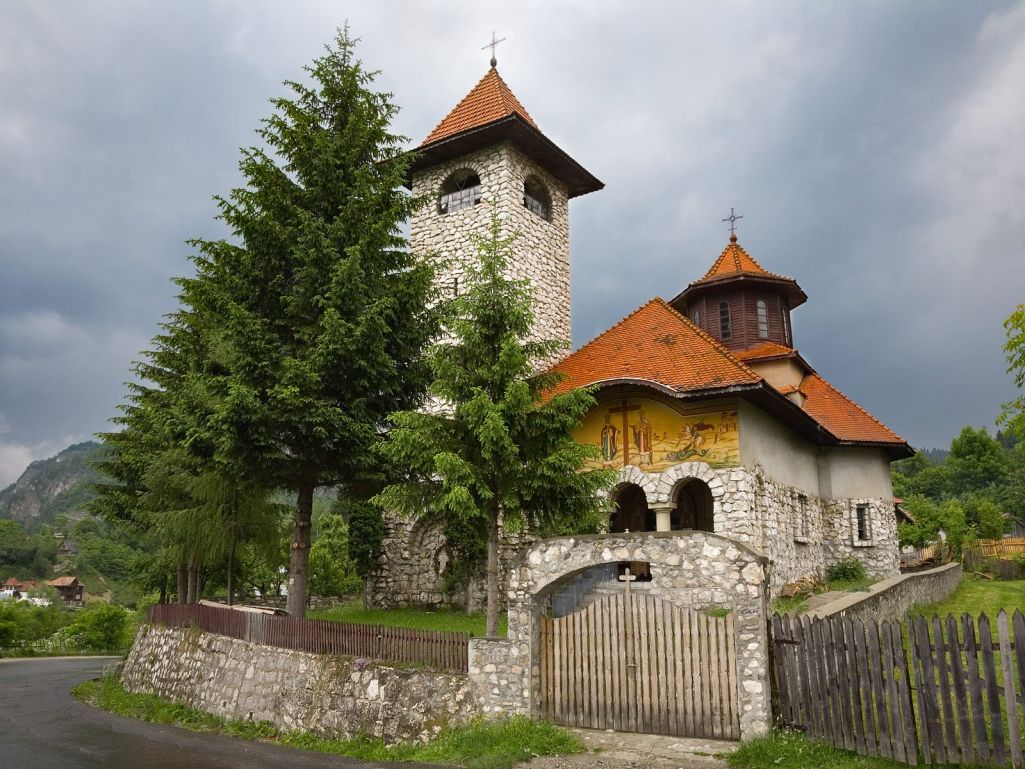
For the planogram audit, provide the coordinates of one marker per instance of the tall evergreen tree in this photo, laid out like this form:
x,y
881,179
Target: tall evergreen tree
x,y
501,452
319,308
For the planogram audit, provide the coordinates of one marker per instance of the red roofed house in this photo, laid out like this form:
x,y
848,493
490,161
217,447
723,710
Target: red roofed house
x,y
707,412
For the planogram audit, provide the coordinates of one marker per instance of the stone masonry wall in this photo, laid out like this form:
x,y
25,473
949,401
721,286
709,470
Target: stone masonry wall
x,y
337,697
413,569
892,598
541,251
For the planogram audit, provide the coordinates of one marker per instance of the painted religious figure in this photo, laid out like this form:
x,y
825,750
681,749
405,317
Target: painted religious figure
x,y
655,436
642,439
609,441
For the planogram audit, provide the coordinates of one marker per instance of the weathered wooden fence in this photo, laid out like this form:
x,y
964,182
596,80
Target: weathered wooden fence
x,y
641,664
437,649
1000,557
897,690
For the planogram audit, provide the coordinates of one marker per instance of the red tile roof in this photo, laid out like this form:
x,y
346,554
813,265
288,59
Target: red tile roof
x,y
488,101
841,416
734,260
655,343
764,350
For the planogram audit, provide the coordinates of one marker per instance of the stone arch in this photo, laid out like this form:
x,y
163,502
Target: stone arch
x,y
634,475
668,481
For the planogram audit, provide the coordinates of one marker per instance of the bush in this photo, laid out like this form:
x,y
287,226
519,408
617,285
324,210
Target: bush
x,y
848,570
101,627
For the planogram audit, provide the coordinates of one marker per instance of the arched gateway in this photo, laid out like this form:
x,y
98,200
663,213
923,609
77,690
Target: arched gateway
x,y
685,653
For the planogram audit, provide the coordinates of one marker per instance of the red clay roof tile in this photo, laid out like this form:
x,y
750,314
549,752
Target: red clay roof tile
x,y
655,343
488,101
764,350
734,260
841,416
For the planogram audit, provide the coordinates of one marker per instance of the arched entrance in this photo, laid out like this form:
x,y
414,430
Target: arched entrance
x,y
694,507
631,513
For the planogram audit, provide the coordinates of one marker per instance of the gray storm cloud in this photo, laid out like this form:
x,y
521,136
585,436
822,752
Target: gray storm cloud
x,y
873,148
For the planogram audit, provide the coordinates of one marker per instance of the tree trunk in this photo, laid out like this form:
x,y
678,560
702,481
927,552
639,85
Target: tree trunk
x,y
494,531
299,562
183,582
193,583
231,567
163,591
366,592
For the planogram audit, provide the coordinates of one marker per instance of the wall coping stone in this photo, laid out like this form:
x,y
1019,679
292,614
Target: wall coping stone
x,y
858,600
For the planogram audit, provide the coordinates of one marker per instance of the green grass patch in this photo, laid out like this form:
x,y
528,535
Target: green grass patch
x,y
790,750
975,595
107,694
795,604
419,619
480,745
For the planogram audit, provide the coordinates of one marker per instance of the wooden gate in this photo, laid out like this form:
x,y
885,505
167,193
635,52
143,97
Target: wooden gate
x,y
638,663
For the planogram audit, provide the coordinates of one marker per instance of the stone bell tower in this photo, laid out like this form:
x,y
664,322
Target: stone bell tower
x,y
489,151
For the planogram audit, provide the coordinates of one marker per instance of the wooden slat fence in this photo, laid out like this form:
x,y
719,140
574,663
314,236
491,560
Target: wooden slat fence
x,y
931,692
642,664
437,649
1008,547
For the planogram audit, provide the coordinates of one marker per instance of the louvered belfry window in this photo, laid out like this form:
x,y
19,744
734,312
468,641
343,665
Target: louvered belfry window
x,y
724,320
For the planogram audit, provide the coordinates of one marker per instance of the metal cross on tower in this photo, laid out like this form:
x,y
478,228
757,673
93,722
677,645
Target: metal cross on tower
x,y
732,219
493,45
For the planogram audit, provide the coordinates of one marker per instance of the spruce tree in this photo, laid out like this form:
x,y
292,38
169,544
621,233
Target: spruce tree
x,y
318,307
501,452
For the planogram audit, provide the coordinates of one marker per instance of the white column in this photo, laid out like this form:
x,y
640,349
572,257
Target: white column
x,y
663,520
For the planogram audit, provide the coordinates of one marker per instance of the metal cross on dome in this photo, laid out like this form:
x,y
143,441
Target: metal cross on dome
x,y
732,219
493,45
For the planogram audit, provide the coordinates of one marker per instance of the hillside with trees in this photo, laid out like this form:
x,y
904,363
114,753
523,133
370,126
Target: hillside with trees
x,y
53,487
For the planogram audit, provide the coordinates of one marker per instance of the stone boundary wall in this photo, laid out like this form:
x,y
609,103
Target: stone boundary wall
x,y
333,696
892,598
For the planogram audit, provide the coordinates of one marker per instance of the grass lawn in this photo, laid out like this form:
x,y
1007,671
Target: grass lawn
x,y
421,619
789,750
481,745
976,595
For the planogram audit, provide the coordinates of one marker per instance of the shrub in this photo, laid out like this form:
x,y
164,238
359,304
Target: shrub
x,y
850,569
101,627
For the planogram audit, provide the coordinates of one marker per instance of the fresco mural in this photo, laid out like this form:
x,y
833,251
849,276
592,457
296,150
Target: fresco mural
x,y
654,437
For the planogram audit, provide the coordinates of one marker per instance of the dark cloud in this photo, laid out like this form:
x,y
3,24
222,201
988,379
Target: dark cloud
x,y
873,148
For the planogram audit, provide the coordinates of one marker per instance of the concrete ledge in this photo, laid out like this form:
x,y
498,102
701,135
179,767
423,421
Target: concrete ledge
x,y
891,598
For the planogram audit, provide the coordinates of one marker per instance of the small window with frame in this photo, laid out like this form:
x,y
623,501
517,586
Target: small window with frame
x,y
864,523
724,320
536,198
802,527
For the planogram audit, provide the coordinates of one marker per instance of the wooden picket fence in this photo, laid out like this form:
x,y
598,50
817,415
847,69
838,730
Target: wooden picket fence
x,y
1008,547
898,691
437,649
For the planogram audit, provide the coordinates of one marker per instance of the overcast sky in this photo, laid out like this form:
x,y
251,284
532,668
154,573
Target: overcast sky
x,y
875,149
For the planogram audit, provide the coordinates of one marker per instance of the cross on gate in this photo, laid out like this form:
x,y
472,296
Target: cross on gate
x,y
732,219
627,577
625,410
493,45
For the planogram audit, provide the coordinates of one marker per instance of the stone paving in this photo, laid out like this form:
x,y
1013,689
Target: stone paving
x,y
624,750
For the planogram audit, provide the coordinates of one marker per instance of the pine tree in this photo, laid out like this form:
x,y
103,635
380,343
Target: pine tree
x,y
319,309
501,453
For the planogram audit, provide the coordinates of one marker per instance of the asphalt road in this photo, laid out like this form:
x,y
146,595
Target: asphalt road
x,y
43,727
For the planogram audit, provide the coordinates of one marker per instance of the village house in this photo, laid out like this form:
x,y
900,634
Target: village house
x,y
71,591
707,412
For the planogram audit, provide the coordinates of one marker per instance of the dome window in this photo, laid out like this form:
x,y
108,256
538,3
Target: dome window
x,y
460,190
536,198
763,320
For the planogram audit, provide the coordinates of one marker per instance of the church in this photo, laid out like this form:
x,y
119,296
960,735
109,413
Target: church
x,y
706,411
